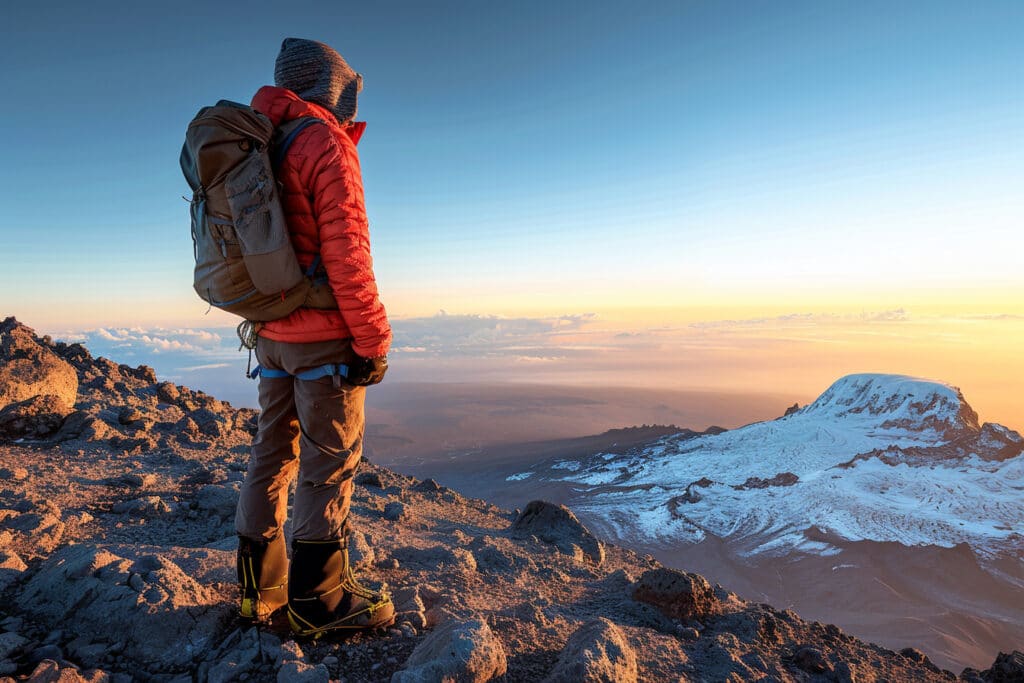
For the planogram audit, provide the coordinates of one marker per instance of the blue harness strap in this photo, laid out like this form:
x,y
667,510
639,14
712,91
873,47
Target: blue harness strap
x,y
278,158
269,373
282,149
328,370
311,271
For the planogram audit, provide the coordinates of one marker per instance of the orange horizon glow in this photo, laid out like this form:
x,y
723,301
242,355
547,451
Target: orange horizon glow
x,y
745,348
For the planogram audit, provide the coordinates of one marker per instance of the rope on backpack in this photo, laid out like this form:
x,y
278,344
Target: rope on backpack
x,y
248,333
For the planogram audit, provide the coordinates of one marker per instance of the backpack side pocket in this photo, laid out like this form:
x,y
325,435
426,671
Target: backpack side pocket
x,y
260,225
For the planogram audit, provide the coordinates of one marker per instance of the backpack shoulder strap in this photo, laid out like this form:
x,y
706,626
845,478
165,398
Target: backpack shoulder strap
x,y
287,134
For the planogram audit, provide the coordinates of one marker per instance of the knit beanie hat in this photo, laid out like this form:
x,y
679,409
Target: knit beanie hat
x,y
317,73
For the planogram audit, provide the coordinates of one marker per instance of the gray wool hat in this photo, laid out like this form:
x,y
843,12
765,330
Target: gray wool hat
x,y
317,73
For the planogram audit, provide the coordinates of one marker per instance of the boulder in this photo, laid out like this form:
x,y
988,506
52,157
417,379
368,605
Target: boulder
x,y
29,368
427,486
557,524
395,511
147,506
811,660
209,423
677,594
436,557
218,499
369,479
34,418
464,651
409,605
596,653
167,392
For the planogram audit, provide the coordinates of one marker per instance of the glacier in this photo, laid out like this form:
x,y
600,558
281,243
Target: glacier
x,y
876,457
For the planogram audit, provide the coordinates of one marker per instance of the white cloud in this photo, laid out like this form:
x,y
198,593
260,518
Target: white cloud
x,y
208,366
472,334
895,315
140,344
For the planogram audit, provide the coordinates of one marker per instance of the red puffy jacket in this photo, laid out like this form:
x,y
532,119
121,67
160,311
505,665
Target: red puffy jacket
x,y
323,203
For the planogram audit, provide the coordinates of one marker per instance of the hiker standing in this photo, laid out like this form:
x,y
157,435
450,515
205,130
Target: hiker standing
x,y
311,420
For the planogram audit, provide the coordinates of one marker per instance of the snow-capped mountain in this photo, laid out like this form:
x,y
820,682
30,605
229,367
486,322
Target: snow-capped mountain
x,y
874,458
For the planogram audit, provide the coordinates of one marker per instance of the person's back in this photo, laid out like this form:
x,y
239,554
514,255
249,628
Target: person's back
x,y
314,364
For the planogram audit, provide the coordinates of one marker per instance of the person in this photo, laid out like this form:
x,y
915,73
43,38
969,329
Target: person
x,y
316,364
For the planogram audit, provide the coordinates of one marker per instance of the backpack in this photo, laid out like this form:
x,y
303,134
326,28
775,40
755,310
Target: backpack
x,y
245,262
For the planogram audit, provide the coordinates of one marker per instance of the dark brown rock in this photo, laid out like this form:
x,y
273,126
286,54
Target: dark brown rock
x,y
677,594
369,479
597,652
35,418
427,486
558,525
209,423
811,660
167,392
456,651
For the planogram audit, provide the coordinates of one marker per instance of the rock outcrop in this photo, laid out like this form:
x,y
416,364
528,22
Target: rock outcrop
x,y
37,387
557,524
597,652
457,651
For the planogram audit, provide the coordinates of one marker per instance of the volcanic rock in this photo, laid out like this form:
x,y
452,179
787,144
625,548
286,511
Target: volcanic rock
x,y
457,651
678,595
29,369
85,589
597,652
811,660
394,511
33,418
141,507
558,525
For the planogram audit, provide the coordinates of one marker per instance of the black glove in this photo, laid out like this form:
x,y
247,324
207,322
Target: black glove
x,y
366,371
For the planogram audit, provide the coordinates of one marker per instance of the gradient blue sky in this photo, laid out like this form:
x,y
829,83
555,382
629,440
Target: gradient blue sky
x,y
657,164
548,157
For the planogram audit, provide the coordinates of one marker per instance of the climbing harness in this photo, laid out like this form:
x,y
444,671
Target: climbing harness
x,y
337,371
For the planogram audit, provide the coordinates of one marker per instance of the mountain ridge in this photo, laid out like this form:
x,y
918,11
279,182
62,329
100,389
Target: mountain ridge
x,y
846,445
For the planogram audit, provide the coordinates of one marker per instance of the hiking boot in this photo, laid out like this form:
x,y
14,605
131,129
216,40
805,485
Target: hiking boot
x,y
323,594
263,576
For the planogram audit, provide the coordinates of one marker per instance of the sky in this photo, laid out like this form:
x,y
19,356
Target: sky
x,y
630,166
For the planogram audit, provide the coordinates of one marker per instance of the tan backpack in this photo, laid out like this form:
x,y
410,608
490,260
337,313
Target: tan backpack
x,y
245,263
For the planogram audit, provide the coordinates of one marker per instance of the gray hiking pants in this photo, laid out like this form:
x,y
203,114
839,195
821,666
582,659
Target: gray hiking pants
x,y
309,427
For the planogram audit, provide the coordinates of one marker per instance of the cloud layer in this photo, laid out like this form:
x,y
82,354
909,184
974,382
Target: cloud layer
x,y
800,353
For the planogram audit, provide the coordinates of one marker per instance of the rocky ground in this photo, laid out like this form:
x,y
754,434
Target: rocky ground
x,y
117,497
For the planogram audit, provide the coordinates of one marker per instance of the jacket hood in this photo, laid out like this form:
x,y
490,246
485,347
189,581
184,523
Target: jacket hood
x,y
281,105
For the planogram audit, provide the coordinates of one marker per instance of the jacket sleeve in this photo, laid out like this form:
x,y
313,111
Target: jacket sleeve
x,y
345,242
